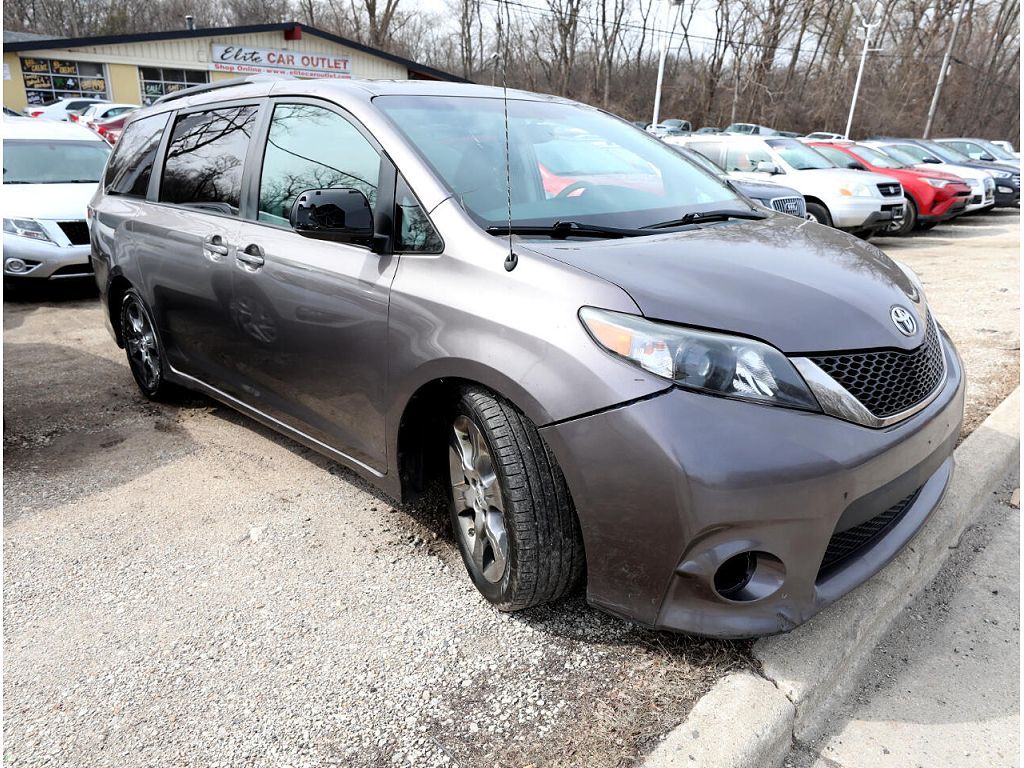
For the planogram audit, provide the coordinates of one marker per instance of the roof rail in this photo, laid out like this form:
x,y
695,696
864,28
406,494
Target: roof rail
x,y
184,92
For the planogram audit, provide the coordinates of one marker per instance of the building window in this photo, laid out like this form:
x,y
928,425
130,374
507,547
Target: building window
x,y
159,81
47,80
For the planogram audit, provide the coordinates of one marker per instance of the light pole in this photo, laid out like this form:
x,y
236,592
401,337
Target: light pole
x,y
942,72
665,40
868,26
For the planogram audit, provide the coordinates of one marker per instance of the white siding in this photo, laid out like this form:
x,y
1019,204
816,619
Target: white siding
x,y
194,53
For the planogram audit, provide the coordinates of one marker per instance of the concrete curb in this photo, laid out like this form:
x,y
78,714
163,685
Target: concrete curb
x,y
746,721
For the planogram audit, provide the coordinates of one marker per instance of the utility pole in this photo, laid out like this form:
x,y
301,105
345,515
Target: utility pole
x,y
942,72
665,40
868,26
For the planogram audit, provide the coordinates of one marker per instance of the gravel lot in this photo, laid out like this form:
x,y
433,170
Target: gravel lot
x,y
182,586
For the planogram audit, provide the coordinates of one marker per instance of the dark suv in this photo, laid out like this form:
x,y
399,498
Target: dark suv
x,y
722,417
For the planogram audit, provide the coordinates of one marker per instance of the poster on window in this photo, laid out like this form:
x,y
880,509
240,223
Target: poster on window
x,y
93,85
49,79
35,65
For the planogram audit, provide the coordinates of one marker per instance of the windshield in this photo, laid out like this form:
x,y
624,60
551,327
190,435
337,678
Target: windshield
x,y
947,153
566,163
876,158
913,154
53,162
996,151
799,156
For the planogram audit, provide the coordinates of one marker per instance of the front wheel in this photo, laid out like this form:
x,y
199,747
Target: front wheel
x,y
909,222
509,504
819,213
143,347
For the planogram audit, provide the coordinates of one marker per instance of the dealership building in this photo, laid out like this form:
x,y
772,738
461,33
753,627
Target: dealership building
x,y
140,68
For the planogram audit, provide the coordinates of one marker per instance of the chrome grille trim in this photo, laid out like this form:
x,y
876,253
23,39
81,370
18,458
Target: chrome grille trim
x,y
836,400
794,206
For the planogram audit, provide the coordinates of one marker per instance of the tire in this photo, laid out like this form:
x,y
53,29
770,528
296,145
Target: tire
x,y
909,223
924,226
504,479
819,213
144,349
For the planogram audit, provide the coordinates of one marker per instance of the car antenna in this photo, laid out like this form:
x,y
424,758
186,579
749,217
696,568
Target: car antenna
x,y
511,260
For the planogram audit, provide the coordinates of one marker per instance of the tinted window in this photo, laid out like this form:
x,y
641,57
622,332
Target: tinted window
x,y
131,166
414,232
205,157
53,162
746,157
311,147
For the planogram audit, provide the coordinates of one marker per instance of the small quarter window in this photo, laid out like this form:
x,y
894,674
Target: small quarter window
x,y
205,158
131,165
414,232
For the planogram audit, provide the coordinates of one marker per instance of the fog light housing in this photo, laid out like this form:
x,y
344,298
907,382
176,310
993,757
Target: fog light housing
x,y
749,576
1004,190
15,265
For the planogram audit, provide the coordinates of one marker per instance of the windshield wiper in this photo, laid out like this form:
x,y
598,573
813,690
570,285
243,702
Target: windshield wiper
x,y
70,181
560,230
700,217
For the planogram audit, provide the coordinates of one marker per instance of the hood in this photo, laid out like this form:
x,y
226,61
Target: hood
x,y
960,171
818,179
798,285
49,201
763,190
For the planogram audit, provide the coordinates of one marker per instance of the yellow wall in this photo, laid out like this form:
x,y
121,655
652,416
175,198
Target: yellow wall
x,y
14,89
123,83
215,76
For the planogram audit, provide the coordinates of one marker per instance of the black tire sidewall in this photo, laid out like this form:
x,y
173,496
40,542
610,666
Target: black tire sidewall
x,y
160,388
500,593
820,214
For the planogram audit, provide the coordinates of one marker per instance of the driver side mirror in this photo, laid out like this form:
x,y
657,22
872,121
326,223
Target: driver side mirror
x,y
930,159
343,214
765,166
987,158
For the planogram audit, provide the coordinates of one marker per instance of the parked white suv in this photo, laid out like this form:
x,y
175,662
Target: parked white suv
x,y
855,201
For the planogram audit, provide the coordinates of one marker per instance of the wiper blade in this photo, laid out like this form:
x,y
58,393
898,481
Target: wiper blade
x,y
560,230
700,217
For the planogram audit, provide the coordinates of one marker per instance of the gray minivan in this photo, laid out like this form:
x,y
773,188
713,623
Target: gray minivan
x,y
620,370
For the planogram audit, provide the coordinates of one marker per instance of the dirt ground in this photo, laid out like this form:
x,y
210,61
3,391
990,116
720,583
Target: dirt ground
x,y
182,586
971,276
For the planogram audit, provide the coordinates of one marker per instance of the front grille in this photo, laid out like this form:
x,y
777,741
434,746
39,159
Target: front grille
x,y
1016,180
77,231
887,382
890,190
794,206
852,540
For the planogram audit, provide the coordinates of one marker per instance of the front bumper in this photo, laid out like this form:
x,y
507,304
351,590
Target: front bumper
x,y
708,478
1007,193
865,213
46,260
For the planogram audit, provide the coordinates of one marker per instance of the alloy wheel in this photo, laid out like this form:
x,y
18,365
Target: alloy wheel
x,y
479,504
140,341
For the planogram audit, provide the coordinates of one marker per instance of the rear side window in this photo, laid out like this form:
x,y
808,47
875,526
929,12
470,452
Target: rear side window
x,y
205,158
745,158
131,166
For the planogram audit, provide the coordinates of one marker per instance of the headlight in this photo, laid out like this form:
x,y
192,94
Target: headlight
x,y
937,183
856,189
701,360
1001,174
989,183
26,228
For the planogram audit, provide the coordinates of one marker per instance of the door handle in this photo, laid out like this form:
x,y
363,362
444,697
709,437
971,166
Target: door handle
x,y
214,247
250,257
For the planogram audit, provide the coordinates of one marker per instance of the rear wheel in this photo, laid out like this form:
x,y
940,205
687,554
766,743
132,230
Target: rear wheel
x,y
143,348
509,504
819,213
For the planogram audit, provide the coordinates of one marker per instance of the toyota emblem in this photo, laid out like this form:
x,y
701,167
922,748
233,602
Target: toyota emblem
x,y
903,320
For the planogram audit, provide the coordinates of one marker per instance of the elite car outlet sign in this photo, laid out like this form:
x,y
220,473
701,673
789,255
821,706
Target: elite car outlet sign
x,y
237,58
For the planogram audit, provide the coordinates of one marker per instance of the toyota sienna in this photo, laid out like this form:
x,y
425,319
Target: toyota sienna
x,y
622,371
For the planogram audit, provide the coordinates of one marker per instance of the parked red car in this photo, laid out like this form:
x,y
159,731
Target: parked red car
x,y
111,129
932,196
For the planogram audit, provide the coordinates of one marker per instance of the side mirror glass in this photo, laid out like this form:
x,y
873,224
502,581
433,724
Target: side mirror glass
x,y
342,214
853,165
987,158
764,166
930,159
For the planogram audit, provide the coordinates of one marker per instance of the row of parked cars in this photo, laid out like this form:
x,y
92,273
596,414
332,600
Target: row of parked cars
x,y
104,117
890,184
